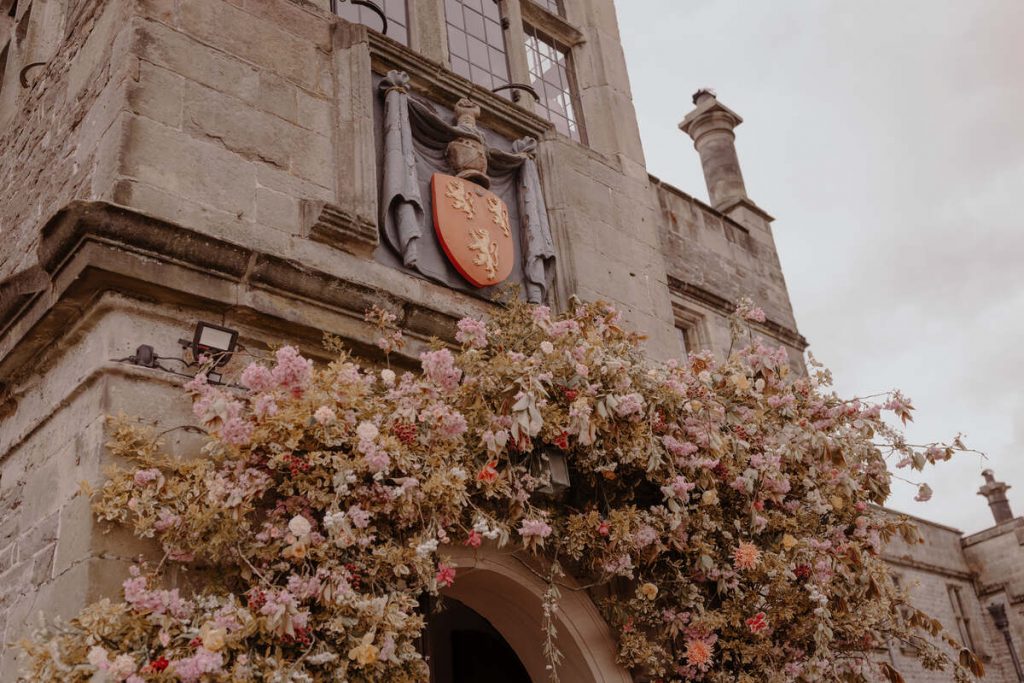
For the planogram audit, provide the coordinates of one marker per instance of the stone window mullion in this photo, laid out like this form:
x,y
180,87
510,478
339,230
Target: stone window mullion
x,y
515,41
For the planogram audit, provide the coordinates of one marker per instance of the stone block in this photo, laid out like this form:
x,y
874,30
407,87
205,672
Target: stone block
x,y
294,18
251,38
277,96
76,531
43,534
196,170
42,565
315,113
95,52
194,60
278,210
314,160
157,94
255,135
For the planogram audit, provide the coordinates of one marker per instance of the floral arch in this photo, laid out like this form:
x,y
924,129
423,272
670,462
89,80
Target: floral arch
x,y
724,513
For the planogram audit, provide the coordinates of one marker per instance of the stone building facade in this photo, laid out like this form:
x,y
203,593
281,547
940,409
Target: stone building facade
x,y
166,162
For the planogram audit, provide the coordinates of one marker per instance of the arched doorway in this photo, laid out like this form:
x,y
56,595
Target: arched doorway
x,y
498,588
463,647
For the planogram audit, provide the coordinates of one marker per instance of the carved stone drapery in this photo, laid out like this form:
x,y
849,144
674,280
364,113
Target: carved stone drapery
x,y
402,205
411,128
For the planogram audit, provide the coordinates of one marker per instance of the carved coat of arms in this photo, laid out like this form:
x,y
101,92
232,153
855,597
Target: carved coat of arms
x,y
472,225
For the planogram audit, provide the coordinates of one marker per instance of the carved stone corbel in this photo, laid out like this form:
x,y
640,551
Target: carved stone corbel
x,y
333,225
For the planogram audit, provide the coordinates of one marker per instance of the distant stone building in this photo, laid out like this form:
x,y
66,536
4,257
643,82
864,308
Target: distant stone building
x,y
974,584
271,167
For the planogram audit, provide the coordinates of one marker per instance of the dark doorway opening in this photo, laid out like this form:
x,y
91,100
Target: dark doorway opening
x,y
463,647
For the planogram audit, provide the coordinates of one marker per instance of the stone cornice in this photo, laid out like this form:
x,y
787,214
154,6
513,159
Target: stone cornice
x,y
726,307
669,187
911,563
1015,525
92,247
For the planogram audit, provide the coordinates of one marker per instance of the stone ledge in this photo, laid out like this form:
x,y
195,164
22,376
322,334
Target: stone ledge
x,y
1015,525
726,307
93,247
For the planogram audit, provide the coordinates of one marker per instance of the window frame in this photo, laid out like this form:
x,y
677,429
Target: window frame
x,y
504,25
335,5
692,327
963,621
571,89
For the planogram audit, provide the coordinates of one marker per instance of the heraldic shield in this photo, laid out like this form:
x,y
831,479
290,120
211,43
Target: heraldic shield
x,y
473,227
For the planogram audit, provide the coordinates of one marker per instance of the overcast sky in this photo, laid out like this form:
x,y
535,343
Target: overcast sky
x,y
887,138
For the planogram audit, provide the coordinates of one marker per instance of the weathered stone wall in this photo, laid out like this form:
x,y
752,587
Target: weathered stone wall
x,y
53,558
712,260
165,166
928,570
58,138
996,556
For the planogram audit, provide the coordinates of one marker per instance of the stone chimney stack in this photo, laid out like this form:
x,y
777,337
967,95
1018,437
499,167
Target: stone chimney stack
x,y
995,492
711,126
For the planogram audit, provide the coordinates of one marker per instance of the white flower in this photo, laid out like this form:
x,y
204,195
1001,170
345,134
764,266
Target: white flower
x,y
367,431
426,547
547,347
98,656
300,526
388,376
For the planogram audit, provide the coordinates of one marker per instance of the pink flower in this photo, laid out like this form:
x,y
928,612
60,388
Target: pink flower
x,y
445,575
924,493
755,314
630,404
292,371
746,556
536,528
757,623
265,406
146,477
360,517
257,378
192,669
472,333
439,368
604,528
142,599
678,488
474,539
236,431
325,416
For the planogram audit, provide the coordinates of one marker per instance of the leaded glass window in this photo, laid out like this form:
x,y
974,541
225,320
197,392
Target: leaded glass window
x,y
395,10
476,41
551,77
553,6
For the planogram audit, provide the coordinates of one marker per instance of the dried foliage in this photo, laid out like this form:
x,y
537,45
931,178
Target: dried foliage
x,y
726,513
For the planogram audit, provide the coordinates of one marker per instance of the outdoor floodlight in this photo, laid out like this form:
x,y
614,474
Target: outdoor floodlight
x,y
552,466
214,341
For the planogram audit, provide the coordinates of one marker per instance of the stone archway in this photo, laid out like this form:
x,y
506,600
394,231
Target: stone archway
x,y
501,589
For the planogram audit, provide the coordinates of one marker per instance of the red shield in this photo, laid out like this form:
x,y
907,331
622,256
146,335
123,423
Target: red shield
x,y
473,227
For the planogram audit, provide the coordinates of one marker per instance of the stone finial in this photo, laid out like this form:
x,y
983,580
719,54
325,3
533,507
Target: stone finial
x,y
466,113
711,126
467,153
995,492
